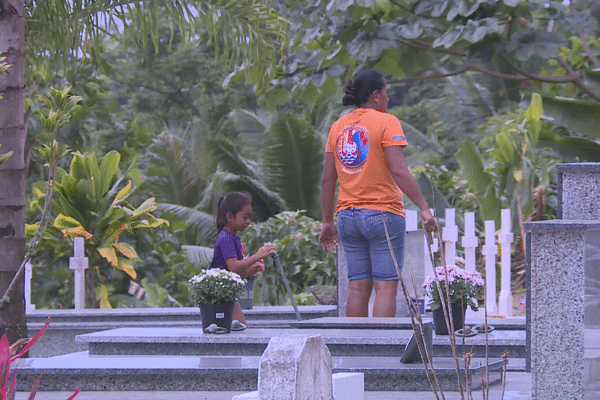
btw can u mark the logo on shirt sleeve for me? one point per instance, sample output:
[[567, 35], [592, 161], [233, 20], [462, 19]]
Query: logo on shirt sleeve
[[403, 138], [352, 147]]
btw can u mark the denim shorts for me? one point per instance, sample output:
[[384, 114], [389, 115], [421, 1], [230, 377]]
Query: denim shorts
[[363, 238]]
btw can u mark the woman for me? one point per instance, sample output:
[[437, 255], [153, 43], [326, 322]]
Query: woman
[[365, 153]]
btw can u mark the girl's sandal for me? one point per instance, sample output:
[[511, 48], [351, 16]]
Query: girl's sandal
[[237, 325], [213, 328]]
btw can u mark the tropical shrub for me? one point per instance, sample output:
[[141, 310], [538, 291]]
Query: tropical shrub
[[304, 262], [91, 202]]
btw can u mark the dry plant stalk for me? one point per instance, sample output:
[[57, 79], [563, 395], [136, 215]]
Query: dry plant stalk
[[426, 357]]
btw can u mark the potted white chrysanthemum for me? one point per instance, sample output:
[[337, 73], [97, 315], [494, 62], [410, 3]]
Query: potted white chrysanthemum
[[216, 291]]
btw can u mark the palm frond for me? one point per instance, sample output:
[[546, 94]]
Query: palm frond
[[202, 223], [240, 31], [294, 161], [227, 157], [266, 202], [252, 130], [198, 255], [420, 145]]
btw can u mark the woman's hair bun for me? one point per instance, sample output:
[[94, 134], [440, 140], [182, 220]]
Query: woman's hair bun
[[350, 97], [360, 88]]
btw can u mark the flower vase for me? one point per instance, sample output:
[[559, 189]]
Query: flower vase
[[219, 314], [439, 321], [245, 299]]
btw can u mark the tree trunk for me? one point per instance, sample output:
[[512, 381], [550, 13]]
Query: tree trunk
[[13, 173]]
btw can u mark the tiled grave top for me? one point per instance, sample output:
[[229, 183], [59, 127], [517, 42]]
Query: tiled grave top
[[562, 225], [252, 336], [578, 167]]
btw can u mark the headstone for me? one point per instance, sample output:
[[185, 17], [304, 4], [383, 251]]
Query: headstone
[[578, 191], [295, 368], [563, 299]]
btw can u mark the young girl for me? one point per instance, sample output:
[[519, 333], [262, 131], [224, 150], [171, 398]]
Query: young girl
[[233, 216]]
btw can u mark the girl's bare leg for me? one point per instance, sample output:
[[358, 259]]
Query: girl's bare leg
[[238, 314]]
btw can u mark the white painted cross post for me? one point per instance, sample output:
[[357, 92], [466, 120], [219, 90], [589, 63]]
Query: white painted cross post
[[489, 251], [79, 264], [27, 293], [450, 236], [505, 239], [470, 242]]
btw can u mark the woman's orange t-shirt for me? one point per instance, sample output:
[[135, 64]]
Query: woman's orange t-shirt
[[357, 141]]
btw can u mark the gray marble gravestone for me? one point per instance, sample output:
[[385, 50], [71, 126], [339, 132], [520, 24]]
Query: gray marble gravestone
[[563, 300], [414, 266], [295, 367]]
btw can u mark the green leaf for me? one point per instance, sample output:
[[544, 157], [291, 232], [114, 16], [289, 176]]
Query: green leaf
[[472, 168], [449, 38], [78, 167], [505, 151], [489, 206], [533, 114], [5, 156], [578, 116], [531, 42], [108, 169], [579, 22]]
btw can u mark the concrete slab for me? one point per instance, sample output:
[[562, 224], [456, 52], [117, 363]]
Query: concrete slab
[[518, 386], [513, 323], [341, 342], [185, 373]]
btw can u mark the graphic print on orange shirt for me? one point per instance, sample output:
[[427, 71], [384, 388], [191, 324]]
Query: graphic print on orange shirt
[[352, 147]]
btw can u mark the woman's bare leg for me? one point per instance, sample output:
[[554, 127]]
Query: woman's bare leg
[[358, 298], [385, 298]]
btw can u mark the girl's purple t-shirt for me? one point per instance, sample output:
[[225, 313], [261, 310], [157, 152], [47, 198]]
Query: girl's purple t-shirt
[[227, 246]]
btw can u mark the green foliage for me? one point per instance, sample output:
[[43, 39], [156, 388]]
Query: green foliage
[[508, 173], [92, 203], [304, 262]]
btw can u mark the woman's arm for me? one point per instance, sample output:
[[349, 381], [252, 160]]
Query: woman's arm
[[328, 235], [406, 183]]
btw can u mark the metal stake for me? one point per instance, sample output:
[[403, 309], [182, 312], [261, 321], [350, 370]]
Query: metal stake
[[287, 284]]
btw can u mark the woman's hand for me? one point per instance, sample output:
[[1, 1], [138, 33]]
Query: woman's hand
[[427, 219], [329, 236]]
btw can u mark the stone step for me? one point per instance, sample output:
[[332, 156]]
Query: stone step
[[154, 316], [232, 373], [253, 341]]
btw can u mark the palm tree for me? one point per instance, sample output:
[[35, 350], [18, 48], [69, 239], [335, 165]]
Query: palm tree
[[58, 34]]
